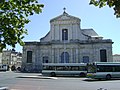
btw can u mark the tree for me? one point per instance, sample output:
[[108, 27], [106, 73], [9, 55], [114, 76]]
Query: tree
[[13, 18], [115, 4]]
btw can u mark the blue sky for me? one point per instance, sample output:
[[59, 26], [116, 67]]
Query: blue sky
[[101, 20]]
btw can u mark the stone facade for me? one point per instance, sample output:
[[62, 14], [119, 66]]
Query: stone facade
[[66, 42], [11, 57]]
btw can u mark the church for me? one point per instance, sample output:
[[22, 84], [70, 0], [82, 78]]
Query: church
[[66, 42]]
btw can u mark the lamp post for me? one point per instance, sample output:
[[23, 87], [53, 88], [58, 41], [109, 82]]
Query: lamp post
[[64, 45]]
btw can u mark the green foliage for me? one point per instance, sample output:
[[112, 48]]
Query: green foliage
[[115, 4], [13, 17]]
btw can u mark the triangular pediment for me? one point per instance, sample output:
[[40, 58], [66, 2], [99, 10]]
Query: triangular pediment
[[64, 16]]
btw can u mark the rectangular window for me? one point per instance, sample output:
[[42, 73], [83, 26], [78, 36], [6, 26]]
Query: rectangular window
[[65, 34], [103, 68], [29, 56], [116, 68], [103, 56]]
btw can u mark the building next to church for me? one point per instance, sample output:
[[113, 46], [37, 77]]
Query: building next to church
[[10, 58], [66, 42], [116, 58]]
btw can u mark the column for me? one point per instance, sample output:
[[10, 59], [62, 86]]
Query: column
[[71, 55], [52, 56], [76, 55], [58, 56], [52, 30]]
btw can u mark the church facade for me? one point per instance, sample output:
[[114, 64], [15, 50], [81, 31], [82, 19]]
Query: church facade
[[66, 42]]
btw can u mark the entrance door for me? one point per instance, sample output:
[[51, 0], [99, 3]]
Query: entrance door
[[65, 57], [85, 59]]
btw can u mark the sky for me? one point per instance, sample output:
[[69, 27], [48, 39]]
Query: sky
[[103, 20]]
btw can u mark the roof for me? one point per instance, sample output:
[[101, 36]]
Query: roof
[[89, 32]]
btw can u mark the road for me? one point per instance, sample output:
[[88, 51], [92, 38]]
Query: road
[[14, 82]]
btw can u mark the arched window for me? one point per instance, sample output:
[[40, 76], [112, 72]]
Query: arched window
[[64, 34], [65, 57], [45, 59], [85, 59], [103, 55]]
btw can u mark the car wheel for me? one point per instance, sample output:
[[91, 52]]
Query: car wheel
[[108, 77], [52, 74], [82, 74]]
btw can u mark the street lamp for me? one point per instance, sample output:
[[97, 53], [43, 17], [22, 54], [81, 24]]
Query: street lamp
[[64, 44]]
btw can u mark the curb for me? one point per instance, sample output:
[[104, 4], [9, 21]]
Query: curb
[[37, 77]]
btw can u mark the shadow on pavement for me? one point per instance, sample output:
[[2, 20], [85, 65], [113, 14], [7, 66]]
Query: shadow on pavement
[[95, 80]]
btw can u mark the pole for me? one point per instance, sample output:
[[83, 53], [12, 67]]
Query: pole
[[64, 45]]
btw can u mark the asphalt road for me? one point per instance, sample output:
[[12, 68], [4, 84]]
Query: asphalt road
[[28, 81]]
